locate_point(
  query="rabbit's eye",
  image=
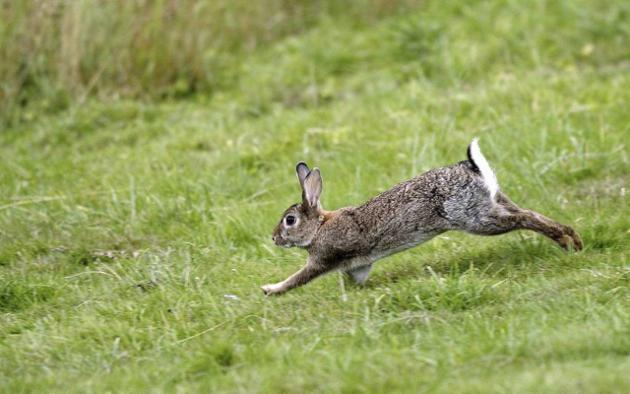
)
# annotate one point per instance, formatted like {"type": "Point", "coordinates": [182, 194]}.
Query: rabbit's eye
{"type": "Point", "coordinates": [289, 220]}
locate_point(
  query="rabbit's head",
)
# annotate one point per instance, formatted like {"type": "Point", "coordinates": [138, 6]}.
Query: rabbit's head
{"type": "Point", "coordinates": [300, 222]}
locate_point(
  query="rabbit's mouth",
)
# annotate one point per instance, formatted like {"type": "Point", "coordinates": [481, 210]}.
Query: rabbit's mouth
{"type": "Point", "coordinates": [285, 244]}
{"type": "Point", "coordinates": [279, 241]}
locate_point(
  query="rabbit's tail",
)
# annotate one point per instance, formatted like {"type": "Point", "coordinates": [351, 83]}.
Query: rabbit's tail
{"type": "Point", "coordinates": [478, 160]}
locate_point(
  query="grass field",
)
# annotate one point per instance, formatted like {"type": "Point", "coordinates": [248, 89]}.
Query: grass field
{"type": "Point", "coordinates": [135, 232]}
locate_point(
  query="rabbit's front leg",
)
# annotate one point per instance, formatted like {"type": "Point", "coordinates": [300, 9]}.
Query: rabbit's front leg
{"type": "Point", "coordinates": [307, 273]}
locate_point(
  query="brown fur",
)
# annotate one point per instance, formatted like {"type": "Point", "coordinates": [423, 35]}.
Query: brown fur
{"type": "Point", "coordinates": [329, 215]}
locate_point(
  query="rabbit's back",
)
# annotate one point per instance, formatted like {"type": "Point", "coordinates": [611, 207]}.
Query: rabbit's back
{"type": "Point", "coordinates": [417, 210]}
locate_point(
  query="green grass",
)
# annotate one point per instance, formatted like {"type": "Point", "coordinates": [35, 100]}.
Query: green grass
{"type": "Point", "coordinates": [54, 53]}
{"type": "Point", "coordinates": [124, 224]}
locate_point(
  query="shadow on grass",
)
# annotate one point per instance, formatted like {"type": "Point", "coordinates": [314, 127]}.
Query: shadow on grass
{"type": "Point", "coordinates": [17, 296]}
{"type": "Point", "coordinates": [494, 260]}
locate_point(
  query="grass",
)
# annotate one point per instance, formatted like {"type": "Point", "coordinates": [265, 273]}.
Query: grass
{"type": "Point", "coordinates": [56, 53]}
{"type": "Point", "coordinates": [135, 233]}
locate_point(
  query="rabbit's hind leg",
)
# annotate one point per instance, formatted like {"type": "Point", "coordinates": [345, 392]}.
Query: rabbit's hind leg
{"type": "Point", "coordinates": [563, 235]}
{"type": "Point", "coordinates": [359, 274]}
{"type": "Point", "coordinates": [506, 216]}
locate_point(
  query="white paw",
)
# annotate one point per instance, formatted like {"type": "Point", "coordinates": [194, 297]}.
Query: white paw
{"type": "Point", "coordinates": [271, 289]}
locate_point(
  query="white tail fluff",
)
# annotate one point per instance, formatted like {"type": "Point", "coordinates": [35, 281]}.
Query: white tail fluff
{"type": "Point", "coordinates": [480, 161]}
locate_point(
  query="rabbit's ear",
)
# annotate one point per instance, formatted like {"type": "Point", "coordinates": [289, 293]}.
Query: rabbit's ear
{"type": "Point", "coordinates": [312, 188]}
{"type": "Point", "coordinates": [301, 170]}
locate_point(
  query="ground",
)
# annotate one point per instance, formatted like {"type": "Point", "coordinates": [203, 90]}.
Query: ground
{"type": "Point", "coordinates": [135, 235]}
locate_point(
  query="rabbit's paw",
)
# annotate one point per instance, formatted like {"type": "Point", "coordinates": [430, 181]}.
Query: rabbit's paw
{"type": "Point", "coordinates": [571, 239]}
{"type": "Point", "coordinates": [272, 289]}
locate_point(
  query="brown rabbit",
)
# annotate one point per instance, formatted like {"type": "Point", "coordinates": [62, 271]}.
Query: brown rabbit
{"type": "Point", "coordinates": [464, 196]}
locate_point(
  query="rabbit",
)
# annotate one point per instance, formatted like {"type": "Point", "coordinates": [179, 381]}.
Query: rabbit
{"type": "Point", "coordinates": [464, 196]}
